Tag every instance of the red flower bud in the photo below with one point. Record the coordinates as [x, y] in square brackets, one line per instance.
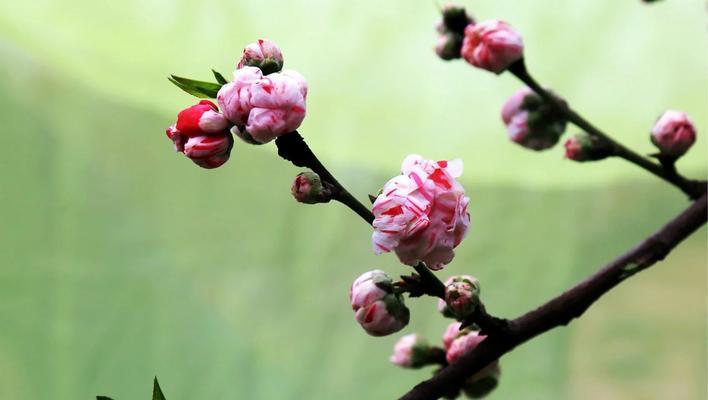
[673, 133]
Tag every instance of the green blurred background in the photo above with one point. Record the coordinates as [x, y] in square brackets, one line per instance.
[121, 260]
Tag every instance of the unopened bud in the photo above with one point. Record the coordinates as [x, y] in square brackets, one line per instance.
[532, 122]
[492, 45]
[462, 295]
[377, 308]
[263, 54]
[455, 17]
[411, 351]
[449, 45]
[584, 147]
[308, 188]
[483, 382]
[673, 133]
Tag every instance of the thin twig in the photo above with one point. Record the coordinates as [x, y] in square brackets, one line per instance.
[694, 189]
[567, 306]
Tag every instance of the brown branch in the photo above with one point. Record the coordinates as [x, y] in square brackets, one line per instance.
[292, 147]
[694, 189]
[569, 305]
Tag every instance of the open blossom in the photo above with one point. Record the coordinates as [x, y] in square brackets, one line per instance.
[201, 134]
[422, 214]
[410, 351]
[263, 107]
[377, 309]
[263, 54]
[492, 45]
[673, 133]
[531, 122]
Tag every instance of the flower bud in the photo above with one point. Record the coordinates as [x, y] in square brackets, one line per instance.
[264, 54]
[202, 119]
[673, 133]
[531, 122]
[584, 147]
[422, 213]
[209, 151]
[234, 98]
[455, 17]
[449, 45]
[463, 344]
[453, 332]
[308, 188]
[492, 45]
[377, 308]
[483, 382]
[462, 295]
[410, 351]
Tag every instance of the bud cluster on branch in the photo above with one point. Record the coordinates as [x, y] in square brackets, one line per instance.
[422, 214]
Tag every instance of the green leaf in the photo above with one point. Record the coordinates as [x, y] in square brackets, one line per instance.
[157, 392]
[196, 88]
[219, 78]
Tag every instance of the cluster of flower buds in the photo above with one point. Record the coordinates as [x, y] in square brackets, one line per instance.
[531, 121]
[461, 297]
[412, 351]
[308, 188]
[260, 104]
[673, 133]
[491, 45]
[450, 31]
[378, 309]
[202, 134]
[422, 213]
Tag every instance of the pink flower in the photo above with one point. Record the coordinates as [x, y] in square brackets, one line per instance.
[377, 309]
[463, 344]
[422, 214]
[263, 54]
[492, 45]
[264, 107]
[234, 98]
[531, 122]
[201, 119]
[410, 351]
[278, 102]
[202, 134]
[583, 147]
[451, 333]
[674, 133]
[209, 151]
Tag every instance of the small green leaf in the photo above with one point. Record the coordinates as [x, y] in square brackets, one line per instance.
[157, 392]
[219, 78]
[196, 88]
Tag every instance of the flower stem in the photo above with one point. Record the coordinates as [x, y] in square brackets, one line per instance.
[293, 148]
[694, 189]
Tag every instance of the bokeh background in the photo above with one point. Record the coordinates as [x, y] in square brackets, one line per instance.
[121, 260]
